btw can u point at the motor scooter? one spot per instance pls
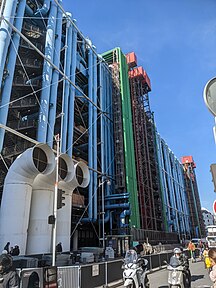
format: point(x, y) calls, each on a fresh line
point(135, 271)
point(175, 276)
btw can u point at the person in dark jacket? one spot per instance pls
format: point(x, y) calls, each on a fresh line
point(179, 258)
point(7, 247)
point(8, 276)
point(16, 251)
point(59, 247)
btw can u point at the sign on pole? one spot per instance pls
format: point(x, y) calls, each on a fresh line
point(209, 95)
point(214, 207)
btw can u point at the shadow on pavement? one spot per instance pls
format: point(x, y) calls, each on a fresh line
point(163, 286)
point(196, 277)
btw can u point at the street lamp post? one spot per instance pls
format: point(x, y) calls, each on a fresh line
point(55, 204)
point(103, 216)
point(107, 181)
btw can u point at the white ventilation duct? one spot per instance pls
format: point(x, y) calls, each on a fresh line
point(17, 192)
point(80, 179)
point(40, 232)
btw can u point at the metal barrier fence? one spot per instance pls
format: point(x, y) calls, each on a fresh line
point(95, 275)
point(102, 274)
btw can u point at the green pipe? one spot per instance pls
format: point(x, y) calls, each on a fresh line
point(129, 152)
point(130, 167)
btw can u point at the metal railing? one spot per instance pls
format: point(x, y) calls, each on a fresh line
point(100, 274)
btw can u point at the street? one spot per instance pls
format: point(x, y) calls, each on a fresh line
point(199, 277)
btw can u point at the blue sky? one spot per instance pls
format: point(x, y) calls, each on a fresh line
point(175, 42)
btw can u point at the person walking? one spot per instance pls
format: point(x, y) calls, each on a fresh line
point(8, 275)
point(7, 247)
point(191, 247)
point(212, 274)
point(59, 247)
point(206, 258)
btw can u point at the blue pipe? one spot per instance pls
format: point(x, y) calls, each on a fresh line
point(47, 75)
point(95, 135)
point(5, 32)
point(163, 182)
point(102, 132)
point(28, 11)
point(44, 9)
point(90, 139)
point(117, 206)
point(111, 221)
point(122, 218)
point(67, 63)
point(72, 94)
point(118, 195)
point(106, 160)
point(108, 198)
point(55, 79)
point(6, 90)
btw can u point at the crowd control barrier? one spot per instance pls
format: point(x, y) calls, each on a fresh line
point(91, 275)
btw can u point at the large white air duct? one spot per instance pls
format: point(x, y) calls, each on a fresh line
point(17, 192)
point(80, 179)
point(40, 232)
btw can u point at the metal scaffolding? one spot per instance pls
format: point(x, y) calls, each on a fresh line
point(146, 162)
point(193, 199)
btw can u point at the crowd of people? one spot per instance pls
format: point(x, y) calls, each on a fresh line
point(13, 251)
point(205, 254)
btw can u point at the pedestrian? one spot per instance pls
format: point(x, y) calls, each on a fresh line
point(59, 247)
point(191, 247)
point(16, 251)
point(11, 250)
point(201, 248)
point(7, 247)
point(8, 275)
point(207, 262)
point(212, 274)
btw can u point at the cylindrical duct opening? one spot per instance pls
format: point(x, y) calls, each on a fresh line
point(17, 193)
point(81, 179)
point(39, 232)
point(82, 174)
point(64, 214)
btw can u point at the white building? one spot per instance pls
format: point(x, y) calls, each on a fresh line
point(208, 217)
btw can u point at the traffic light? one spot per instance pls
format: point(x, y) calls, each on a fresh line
point(60, 199)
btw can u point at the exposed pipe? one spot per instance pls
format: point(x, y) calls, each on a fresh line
point(47, 74)
point(106, 217)
point(66, 87)
point(6, 90)
point(117, 206)
point(80, 179)
point(44, 9)
point(108, 198)
point(39, 231)
point(72, 93)
point(117, 195)
point(42, 55)
point(122, 217)
point(29, 11)
point(5, 32)
point(17, 193)
point(95, 205)
point(55, 79)
point(90, 138)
